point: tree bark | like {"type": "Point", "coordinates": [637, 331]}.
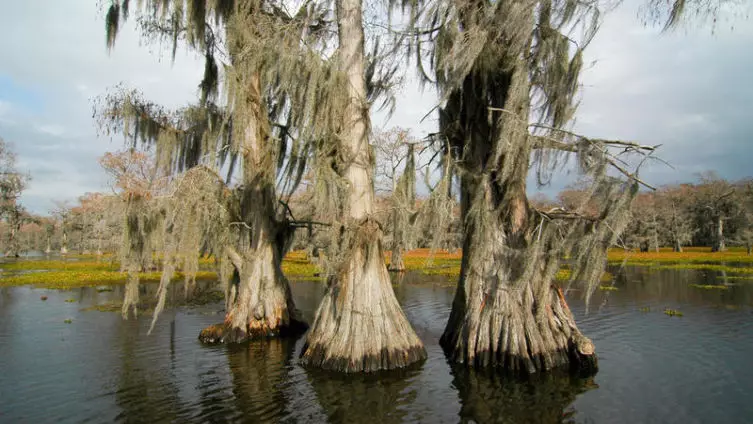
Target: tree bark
{"type": "Point", "coordinates": [507, 312]}
{"type": "Point", "coordinates": [259, 302]}
{"type": "Point", "coordinates": [64, 244]}
{"type": "Point", "coordinates": [14, 226]}
{"type": "Point", "coordinates": [359, 325]}
{"type": "Point", "coordinates": [499, 321]}
{"type": "Point", "coordinates": [396, 259]}
{"type": "Point", "coordinates": [677, 247]}
{"type": "Point", "coordinates": [719, 243]}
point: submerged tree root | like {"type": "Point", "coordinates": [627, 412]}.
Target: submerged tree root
{"type": "Point", "coordinates": [224, 333]}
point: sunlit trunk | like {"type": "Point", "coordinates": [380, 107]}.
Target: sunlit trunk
{"type": "Point", "coordinates": [64, 243]}
{"type": "Point", "coordinates": [719, 244]}
{"type": "Point", "coordinates": [14, 226]}
{"type": "Point", "coordinates": [359, 325]}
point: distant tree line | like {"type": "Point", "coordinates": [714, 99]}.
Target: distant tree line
{"type": "Point", "coordinates": [711, 211]}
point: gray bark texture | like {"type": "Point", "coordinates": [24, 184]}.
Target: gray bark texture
{"type": "Point", "coordinates": [359, 326]}
{"type": "Point", "coordinates": [508, 312]}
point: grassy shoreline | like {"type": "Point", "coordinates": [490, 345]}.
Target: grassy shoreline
{"type": "Point", "coordinates": [88, 271]}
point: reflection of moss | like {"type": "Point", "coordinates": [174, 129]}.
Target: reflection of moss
{"type": "Point", "coordinates": [645, 309]}
{"type": "Point", "coordinates": [104, 289]}
{"type": "Point", "coordinates": [608, 288]}
{"type": "Point", "coordinates": [147, 305]}
{"type": "Point", "coordinates": [709, 287]}
{"type": "Point", "coordinates": [672, 312]}
{"type": "Point", "coordinates": [68, 321]}
{"type": "Point", "coordinates": [70, 300]}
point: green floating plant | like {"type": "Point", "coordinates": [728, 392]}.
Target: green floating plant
{"type": "Point", "coordinates": [709, 287]}
{"type": "Point", "coordinates": [672, 312]}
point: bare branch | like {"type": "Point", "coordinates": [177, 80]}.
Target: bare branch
{"type": "Point", "coordinates": [235, 257]}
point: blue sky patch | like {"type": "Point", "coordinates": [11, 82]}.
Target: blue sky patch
{"type": "Point", "coordinates": [20, 96]}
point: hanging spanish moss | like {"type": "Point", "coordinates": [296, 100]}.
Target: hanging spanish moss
{"type": "Point", "coordinates": [359, 326]}
{"type": "Point", "coordinates": [262, 134]}
{"type": "Point", "coordinates": [507, 73]}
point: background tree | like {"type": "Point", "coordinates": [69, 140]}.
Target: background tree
{"type": "Point", "coordinates": [12, 184]}
{"type": "Point", "coordinates": [673, 204]}
{"type": "Point", "coordinates": [714, 204]}
{"type": "Point", "coordinates": [396, 164]}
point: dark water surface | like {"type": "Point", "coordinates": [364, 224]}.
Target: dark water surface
{"type": "Point", "coordinates": [653, 367]}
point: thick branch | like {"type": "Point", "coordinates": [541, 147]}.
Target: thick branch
{"type": "Point", "coordinates": [235, 257]}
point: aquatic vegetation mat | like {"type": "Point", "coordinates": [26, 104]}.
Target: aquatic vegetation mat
{"type": "Point", "coordinates": [88, 272]}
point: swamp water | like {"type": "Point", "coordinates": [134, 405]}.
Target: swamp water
{"type": "Point", "coordinates": [653, 367]}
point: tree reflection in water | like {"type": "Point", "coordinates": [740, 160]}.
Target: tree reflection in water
{"type": "Point", "coordinates": [259, 372]}
{"type": "Point", "coordinates": [487, 397]}
{"type": "Point", "coordinates": [146, 388]}
{"type": "Point", "coordinates": [365, 398]}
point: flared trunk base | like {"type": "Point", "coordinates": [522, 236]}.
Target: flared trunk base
{"type": "Point", "coordinates": [224, 333]}
{"type": "Point", "coordinates": [360, 326]}
{"type": "Point", "coordinates": [387, 359]}
{"type": "Point", "coordinates": [510, 331]}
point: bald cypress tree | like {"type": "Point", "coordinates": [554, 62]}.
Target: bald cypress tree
{"type": "Point", "coordinates": [250, 134]}
{"type": "Point", "coordinates": [507, 73]}
{"type": "Point", "coordinates": [359, 325]}
{"type": "Point", "coordinates": [12, 184]}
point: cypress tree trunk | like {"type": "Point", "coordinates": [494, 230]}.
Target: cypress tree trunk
{"type": "Point", "coordinates": [258, 302]}
{"type": "Point", "coordinates": [359, 325]}
{"type": "Point", "coordinates": [14, 226]}
{"type": "Point", "coordinates": [499, 321]}
{"type": "Point", "coordinates": [719, 244]}
{"type": "Point", "coordinates": [396, 259]}
{"type": "Point", "coordinates": [677, 247]}
{"type": "Point", "coordinates": [64, 243]}
{"type": "Point", "coordinates": [508, 312]}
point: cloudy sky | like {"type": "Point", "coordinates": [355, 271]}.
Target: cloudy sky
{"type": "Point", "coordinates": [686, 90]}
